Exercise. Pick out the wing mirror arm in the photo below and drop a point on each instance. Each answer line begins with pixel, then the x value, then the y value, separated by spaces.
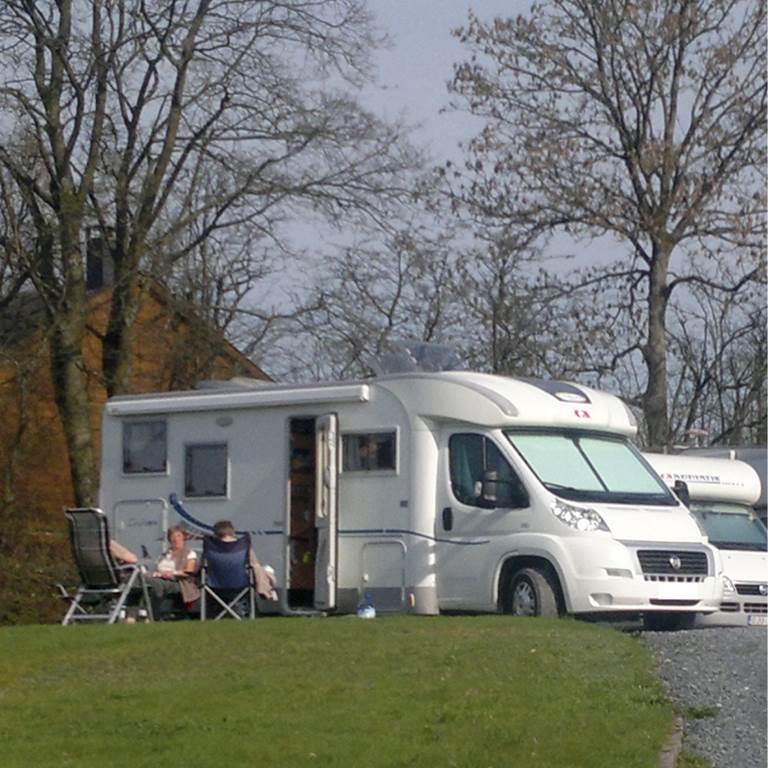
pixel 682 492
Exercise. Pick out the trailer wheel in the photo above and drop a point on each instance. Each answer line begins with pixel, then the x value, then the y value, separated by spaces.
pixel 530 592
pixel 668 622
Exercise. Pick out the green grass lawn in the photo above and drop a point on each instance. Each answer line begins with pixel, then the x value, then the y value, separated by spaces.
pixel 478 692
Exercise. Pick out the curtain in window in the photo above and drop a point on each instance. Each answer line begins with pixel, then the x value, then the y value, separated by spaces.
pixel 466 459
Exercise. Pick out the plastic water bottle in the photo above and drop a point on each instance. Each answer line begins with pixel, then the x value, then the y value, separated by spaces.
pixel 366 610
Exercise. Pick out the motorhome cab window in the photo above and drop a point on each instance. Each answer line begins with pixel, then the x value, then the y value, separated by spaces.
pixel 205 470
pixel 144 447
pixel 731 526
pixel 590 467
pixel 369 451
pixel 471 457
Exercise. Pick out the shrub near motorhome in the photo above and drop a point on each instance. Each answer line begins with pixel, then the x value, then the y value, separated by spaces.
pixel 430 492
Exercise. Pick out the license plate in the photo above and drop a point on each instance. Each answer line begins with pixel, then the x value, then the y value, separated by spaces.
pixel 757 621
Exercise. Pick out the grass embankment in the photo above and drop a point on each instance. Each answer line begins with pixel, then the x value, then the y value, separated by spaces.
pixel 396 691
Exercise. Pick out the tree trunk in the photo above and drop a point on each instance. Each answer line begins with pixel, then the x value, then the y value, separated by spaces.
pixel 70 386
pixel 126 298
pixel 655 352
pixel 117 341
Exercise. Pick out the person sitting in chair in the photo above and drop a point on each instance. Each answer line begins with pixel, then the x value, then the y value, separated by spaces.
pixel 175 572
pixel 225 531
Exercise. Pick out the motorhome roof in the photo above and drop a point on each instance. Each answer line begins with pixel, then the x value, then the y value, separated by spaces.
pixel 237 394
pixel 493 400
pixel 754 455
pixel 476 398
pixel 709 479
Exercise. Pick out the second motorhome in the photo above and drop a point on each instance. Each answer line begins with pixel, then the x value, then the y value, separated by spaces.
pixel 722 494
pixel 428 491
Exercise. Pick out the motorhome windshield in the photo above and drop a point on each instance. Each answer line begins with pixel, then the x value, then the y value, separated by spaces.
pixel 731 526
pixel 584 466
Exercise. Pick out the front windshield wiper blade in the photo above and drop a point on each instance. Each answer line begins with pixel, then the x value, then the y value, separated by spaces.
pixel 746 546
pixel 651 499
pixel 560 487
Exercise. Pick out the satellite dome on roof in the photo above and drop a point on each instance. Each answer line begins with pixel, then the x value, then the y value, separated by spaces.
pixel 406 356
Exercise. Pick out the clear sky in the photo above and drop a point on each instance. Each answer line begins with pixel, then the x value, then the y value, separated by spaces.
pixel 413 73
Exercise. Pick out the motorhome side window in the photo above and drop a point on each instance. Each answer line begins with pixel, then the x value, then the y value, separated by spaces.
pixel 471 457
pixel 369 451
pixel 144 447
pixel 205 470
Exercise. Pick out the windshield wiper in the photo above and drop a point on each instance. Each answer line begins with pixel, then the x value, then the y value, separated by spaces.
pixel 746 546
pixel 642 497
pixel 560 487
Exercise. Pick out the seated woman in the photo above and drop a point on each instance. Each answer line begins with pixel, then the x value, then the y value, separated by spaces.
pixel 175 573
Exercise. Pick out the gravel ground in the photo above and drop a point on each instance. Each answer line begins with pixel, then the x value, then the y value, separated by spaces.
pixel 719 672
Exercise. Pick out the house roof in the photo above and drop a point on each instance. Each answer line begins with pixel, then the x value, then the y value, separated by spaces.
pixel 25 315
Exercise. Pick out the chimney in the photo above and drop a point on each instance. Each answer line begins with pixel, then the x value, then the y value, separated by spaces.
pixel 100 266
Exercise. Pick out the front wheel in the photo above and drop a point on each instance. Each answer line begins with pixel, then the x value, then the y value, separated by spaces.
pixel 668 622
pixel 530 592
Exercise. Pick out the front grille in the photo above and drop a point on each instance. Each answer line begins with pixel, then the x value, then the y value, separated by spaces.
pixel 659 562
pixel 729 607
pixel 755 608
pixel 748 589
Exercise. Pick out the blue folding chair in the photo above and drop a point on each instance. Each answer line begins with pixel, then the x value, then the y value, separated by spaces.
pixel 227 579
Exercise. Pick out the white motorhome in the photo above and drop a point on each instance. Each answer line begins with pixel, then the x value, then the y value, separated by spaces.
pixel 430 491
pixel 722 494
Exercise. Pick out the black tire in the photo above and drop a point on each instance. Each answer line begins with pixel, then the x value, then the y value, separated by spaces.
pixel 531 592
pixel 668 622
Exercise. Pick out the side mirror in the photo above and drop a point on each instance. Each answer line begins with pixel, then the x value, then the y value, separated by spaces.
pixel 489 490
pixel 681 491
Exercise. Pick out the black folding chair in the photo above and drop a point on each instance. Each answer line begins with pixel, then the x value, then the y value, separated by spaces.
pixel 105 586
pixel 227 579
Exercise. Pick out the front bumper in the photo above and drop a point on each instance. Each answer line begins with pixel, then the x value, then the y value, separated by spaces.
pixel 636 595
pixel 737 611
pixel 637 577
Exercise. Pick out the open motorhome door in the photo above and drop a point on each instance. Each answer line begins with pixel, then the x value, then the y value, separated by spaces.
pixel 326 509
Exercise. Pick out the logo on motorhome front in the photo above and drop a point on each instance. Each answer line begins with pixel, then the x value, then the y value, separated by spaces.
pixel 675 562
pixel 582 414
pixel 763 589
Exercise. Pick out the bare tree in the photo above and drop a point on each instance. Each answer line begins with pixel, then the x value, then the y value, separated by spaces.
pixel 393 282
pixel 19 316
pixel 515 320
pixel 642 123
pixel 117 113
pixel 15 239
pixel 718 347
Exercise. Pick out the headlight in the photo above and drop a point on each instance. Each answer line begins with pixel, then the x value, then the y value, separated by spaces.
pixel 579 518
pixel 728 584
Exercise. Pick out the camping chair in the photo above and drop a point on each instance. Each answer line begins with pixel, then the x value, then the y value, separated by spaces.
pixel 105 586
pixel 227 578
